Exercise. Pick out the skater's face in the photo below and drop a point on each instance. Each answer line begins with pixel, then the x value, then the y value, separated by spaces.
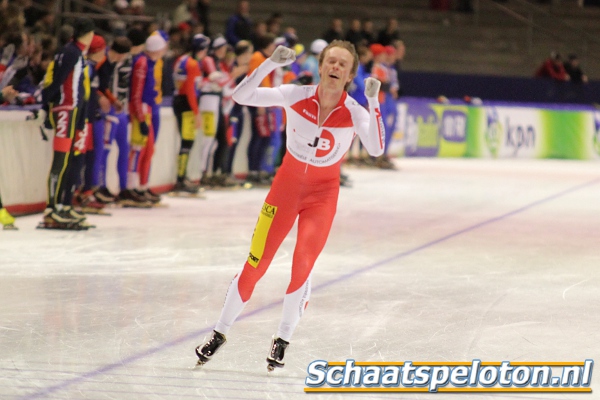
pixel 336 68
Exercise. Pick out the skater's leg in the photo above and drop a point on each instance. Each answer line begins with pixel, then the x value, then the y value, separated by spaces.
pixel 272 227
pixel 123 144
pixel 314 224
pixel 187 130
pixel 64 125
pixel 137 153
pixel 220 156
pixel 146 160
pixel 237 123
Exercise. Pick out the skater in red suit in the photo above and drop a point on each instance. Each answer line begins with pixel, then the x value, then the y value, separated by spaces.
pixel 321 123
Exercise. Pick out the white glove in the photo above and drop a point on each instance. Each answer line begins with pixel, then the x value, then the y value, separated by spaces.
pixel 20 62
pixel 283 55
pixel 372 86
pixel 215 76
pixel 7 54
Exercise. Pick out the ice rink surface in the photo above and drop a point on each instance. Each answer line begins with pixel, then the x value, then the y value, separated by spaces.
pixel 444 260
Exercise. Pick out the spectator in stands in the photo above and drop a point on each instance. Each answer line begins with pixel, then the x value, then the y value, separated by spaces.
pixel 204 15
pixel 390 33
pixel 137 7
pixel 99 7
pixel 121 7
pixel 335 31
pixel 239 25
pixel 258 30
pixel 15 56
pixel 573 69
pixel 353 34
pixel 32 13
pixel 553 68
pixel 45 24
pixel 27 80
pixel 367 31
pixel 187 11
pixel 11 18
pixel 274 23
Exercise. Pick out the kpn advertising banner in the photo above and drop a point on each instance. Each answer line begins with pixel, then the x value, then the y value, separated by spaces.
pixel 516 132
pixel 435 130
pixel 506 132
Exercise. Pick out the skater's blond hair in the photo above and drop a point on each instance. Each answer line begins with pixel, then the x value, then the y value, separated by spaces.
pixel 344 44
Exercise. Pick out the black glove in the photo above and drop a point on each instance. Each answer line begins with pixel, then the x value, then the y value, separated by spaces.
pixel 144 130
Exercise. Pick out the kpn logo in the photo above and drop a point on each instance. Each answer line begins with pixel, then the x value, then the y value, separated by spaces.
pixel 493 131
pixel 596 141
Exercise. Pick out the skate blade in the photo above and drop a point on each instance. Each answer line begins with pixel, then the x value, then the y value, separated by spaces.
pixel 159 205
pixel 62 227
pixel 200 364
pixel 187 195
pixel 271 365
pixel 131 205
pixel 95 211
pixel 10 227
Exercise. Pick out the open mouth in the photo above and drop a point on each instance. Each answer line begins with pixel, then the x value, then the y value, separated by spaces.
pixel 334 76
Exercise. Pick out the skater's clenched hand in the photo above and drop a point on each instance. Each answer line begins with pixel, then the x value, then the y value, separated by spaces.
pixel 372 86
pixel 283 55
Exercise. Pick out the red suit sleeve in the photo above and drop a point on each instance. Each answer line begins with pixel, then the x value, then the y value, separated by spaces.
pixel 138 80
pixel 193 75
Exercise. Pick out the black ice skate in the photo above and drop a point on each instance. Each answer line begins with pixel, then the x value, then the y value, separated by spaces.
pixel 149 195
pixel 61 219
pixel 275 356
pixel 130 198
pixel 210 348
pixel 186 186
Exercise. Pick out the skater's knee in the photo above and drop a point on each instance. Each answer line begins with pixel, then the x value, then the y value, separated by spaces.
pixel 248 280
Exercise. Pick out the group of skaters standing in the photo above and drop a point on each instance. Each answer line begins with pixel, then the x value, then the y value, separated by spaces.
pixel 92 93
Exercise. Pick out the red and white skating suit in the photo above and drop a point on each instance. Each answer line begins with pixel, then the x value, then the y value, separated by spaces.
pixel 305 187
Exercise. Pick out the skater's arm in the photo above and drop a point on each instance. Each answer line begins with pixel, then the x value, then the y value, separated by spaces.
pixel 248 91
pixel 139 73
pixel 369 125
pixel 193 73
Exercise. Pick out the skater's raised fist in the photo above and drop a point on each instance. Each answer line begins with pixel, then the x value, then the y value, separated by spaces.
pixel 372 86
pixel 283 55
